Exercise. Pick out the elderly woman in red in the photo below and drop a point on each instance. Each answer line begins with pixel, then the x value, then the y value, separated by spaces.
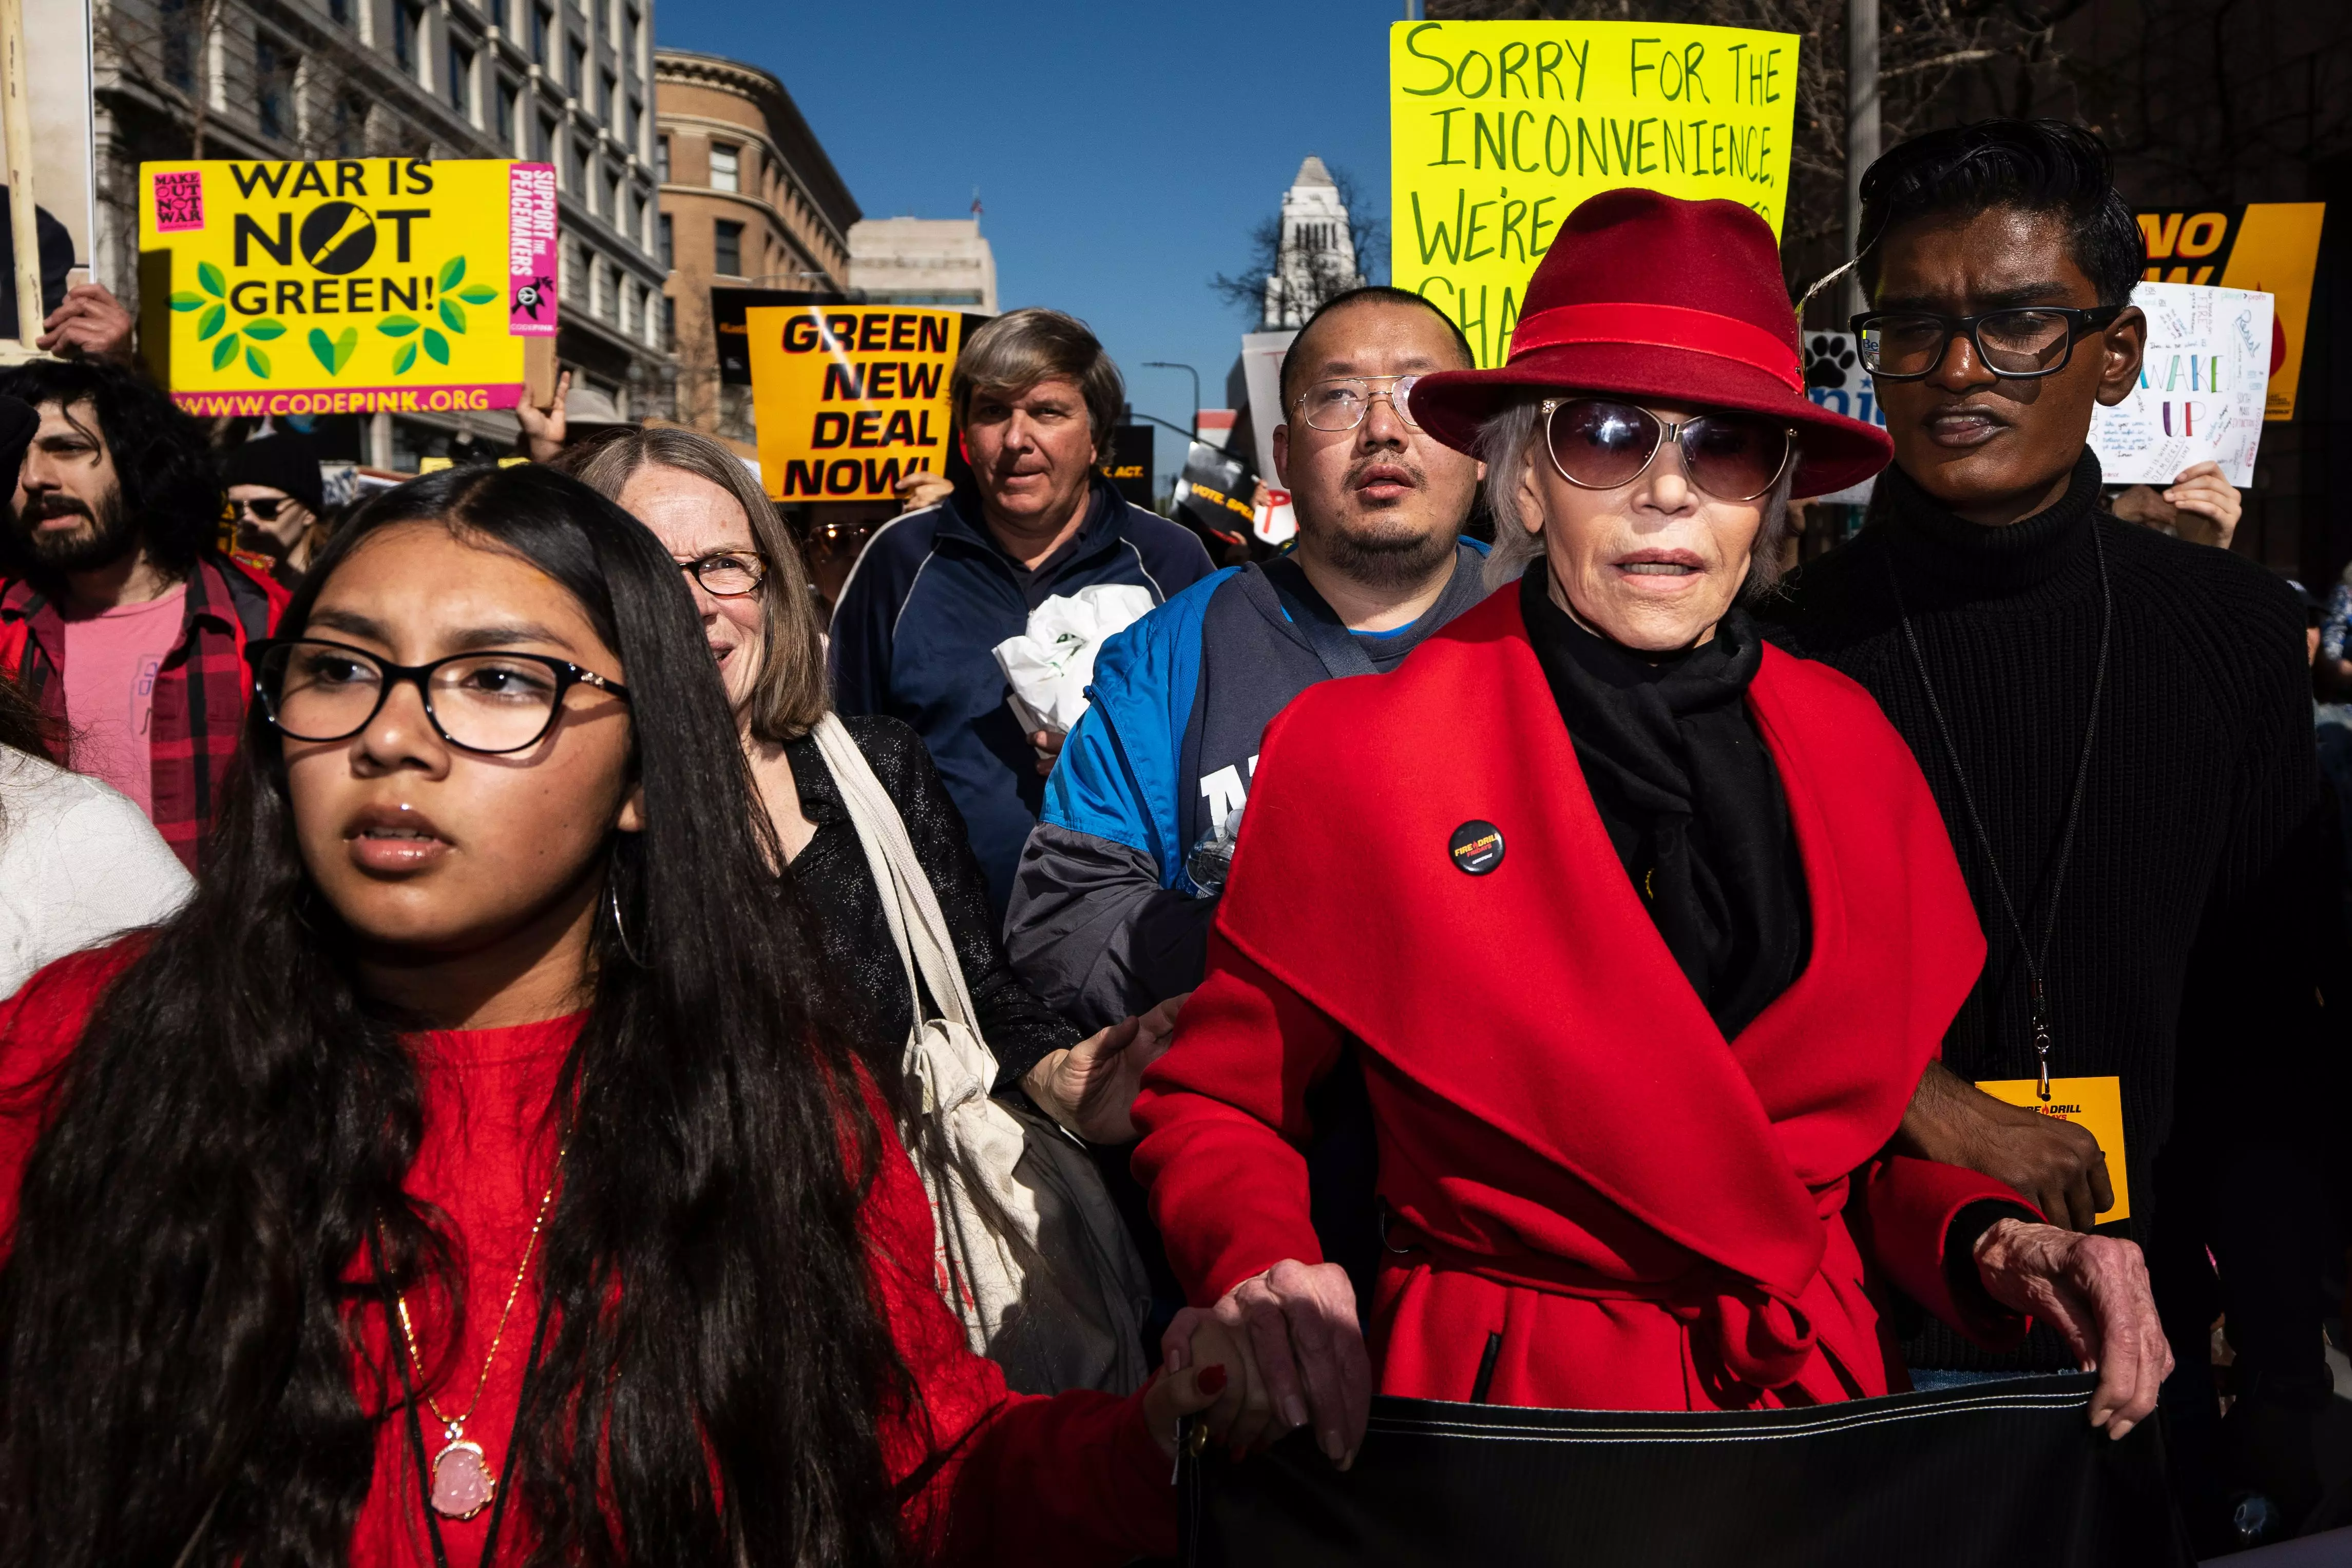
pixel 1641 931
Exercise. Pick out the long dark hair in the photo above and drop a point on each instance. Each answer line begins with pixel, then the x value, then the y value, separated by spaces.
pixel 169 478
pixel 236 1124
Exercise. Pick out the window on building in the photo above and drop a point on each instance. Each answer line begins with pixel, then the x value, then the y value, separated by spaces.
pixel 340 11
pixel 726 249
pixel 407 23
pixel 669 322
pixel 568 266
pixel 461 78
pixel 725 162
pixel 612 199
pixel 668 242
pixel 661 159
pixel 542 22
pixel 583 157
pixel 636 35
pixel 545 148
pixel 505 128
pixel 499 14
pixel 579 80
pixel 608 102
pixel 273 81
pixel 350 136
pixel 629 124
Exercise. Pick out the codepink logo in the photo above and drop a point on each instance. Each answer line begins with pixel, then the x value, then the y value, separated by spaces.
pixel 179 200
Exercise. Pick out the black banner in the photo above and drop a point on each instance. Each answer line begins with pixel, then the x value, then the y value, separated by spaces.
pixel 1130 464
pixel 1217 493
pixel 727 307
pixel 2010 1473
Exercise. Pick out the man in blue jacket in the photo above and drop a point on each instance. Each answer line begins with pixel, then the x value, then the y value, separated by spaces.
pixel 936 590
pixel 1110 911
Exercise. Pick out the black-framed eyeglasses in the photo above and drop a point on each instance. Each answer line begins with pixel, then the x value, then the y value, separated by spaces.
pixel 1600 444
pixel 1344 401
pixel 2020 345
pixel 726 576
pixel 313 689
pixel 263 506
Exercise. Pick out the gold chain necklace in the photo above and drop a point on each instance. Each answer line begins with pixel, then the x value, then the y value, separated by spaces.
pixel 463 1484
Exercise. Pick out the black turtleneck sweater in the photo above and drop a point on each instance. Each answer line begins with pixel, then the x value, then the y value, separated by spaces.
pixel 2185 955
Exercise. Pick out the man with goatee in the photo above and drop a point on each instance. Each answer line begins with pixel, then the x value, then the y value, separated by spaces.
pixel 117 612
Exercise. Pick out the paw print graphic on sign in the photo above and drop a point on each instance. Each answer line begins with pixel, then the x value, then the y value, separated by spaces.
pixel 1829 359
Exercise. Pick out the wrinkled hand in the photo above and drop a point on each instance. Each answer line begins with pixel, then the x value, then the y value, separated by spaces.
pixel 1090 1088
pixel 544 428
pixel 1049 743
pixel 921 488
pixel 1302 1354
pixel 1206 1380
pixel 2055 1164
pixel 2200 506
pixel 2094 1290
pixel 89 324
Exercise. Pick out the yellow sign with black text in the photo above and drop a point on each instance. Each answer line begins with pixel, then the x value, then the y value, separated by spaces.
pixel 356 286
pixel 849 398
pixel 2097 1104
pixel 1497 130
pixel 2271 247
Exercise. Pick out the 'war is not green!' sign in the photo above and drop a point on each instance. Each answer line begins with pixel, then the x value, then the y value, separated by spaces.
pixel 353 286
pixel 1497 130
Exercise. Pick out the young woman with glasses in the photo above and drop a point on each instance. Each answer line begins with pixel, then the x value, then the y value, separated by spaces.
pixel 471 1172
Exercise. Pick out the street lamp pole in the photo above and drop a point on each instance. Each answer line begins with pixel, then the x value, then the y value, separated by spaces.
pixel 1861 126
pixel 1188 369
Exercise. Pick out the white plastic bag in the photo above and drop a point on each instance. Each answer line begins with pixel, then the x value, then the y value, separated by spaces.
pixel 1050 664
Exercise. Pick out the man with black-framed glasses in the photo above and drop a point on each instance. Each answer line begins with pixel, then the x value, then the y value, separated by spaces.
pixel 2117 725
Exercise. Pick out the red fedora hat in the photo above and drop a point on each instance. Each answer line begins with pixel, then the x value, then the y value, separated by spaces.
pixel 1647 296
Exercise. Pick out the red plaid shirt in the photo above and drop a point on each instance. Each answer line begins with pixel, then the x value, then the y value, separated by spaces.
pixel 200 692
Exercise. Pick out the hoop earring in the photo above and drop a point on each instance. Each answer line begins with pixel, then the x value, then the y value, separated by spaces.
pixel 613 903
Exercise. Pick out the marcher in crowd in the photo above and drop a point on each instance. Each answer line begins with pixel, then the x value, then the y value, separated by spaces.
pixel 279 496
pixel 1537 881
pixel 2117 729
pixel 1036 399
pixel 117 610
pixel 497 929
pixel 1116 886
pixel 745 576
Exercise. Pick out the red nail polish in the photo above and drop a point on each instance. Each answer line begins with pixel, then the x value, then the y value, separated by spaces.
pixel 1212 1380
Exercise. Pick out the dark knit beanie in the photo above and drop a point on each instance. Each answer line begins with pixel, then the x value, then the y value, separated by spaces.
pixel 286 461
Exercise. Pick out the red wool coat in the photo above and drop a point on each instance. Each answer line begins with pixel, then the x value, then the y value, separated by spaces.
pixel 1574 1158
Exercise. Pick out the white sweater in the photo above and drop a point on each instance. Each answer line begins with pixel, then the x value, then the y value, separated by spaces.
pixel 79 863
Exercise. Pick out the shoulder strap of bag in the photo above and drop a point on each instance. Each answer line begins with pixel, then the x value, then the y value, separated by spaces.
pixel 1335 646
pixel 917 922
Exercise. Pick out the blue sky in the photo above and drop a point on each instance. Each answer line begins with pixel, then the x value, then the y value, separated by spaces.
pixel 1123 152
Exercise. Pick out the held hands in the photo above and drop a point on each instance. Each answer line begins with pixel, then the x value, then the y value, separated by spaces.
pixel 923 489
pixel 1091 1086
pixel 2200 506
pixel 90 323
pixel 1301 1356
pixel 2055 1164
pixel 544 428
pixel 2094 1290
pixel 1202 1379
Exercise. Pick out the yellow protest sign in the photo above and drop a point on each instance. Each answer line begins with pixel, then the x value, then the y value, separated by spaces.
pixel 1497 130
pixel 352 286
pixel 2271 247
pixel 2097 1103
pixel 848 399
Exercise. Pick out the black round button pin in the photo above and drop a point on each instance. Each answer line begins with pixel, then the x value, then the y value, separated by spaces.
pixel 1476 847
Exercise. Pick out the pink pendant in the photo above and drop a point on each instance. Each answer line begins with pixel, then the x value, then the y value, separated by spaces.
pixel 462 1482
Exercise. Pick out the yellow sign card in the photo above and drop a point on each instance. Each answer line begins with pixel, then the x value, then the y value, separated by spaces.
pixel 355 286
pixel 849 398
pixel 2097 1103
pixel 2271 247
pixel 1498 130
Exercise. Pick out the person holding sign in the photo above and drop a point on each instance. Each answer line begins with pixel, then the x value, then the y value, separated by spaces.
pixel 2117 729
pixel 1037 400
pixel 1640 931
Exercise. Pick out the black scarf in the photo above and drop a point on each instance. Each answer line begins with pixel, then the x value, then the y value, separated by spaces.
pixel 1690 797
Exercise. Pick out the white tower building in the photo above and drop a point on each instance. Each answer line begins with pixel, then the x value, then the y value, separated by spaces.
pixel 1317 256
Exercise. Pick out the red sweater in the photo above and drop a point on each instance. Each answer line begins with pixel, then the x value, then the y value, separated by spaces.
pixel 1072 1479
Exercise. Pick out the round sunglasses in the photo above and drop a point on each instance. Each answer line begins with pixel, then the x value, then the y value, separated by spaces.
pixel 1600 444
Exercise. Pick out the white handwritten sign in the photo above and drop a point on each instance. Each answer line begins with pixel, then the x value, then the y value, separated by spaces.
pixel 2201 387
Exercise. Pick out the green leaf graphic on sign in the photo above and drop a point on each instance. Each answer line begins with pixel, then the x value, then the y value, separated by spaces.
pixel 223 350
pixel 209 278
pixel 479 294
pixel 437 346
pixel 396 326
pixel 183 300
pixel 345 347
pixel 210 321
pixel 323 347
pixel 452 317
pixel 265 329
pixel 451 270
pixel 405 357
pixel 257 362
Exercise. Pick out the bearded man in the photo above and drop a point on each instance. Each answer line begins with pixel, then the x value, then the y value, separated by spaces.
pixel 1118 881
pixel 117 611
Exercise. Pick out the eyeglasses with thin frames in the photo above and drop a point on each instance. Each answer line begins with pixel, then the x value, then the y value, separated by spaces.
pixel 726 576
pixel 494 703
pixel 1344 401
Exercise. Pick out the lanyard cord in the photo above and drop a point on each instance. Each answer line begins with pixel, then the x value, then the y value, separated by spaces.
pixel 2036 960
